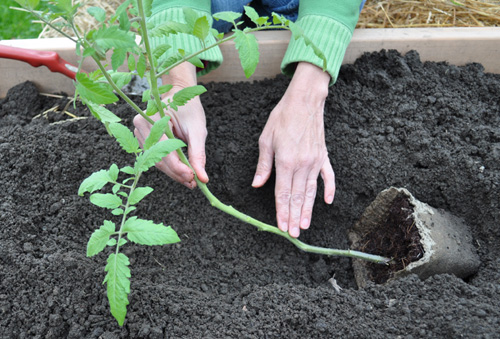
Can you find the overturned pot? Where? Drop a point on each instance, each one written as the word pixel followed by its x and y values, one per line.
pixel 420 239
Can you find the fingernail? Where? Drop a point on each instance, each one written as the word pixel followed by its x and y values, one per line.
pixel 329 200
pixel 284 226
pixel 188 185
pixel 294 232
pixel 304 224
pixel 256 180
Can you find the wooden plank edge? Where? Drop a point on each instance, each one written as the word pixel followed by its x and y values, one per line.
pixel 457 46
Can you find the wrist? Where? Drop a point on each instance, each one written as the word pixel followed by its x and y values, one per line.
pixel 310 82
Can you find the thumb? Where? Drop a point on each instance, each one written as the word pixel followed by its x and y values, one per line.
pixel 198 158
pixel 264 166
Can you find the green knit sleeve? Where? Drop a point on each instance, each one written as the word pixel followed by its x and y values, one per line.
pixel 329 24
pixel 172 10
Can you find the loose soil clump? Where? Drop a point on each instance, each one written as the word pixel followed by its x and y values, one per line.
pixel 390 120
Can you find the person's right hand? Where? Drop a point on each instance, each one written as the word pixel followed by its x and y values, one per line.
pixel 188 124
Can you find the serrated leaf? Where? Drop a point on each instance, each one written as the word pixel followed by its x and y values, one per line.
pixel 156 132
pixel 141 65
pixel 151 108
pixel 154 154
pixel 118 58
pixel 31 4
pixel 248 51
pixel 98 13
pixel 164 88
pixel 118 285
pixel 91 91
pixel 102 113
pixel 146 95
pixel 216 34
pixel 169 27
pixel 127 170
pixel 99 238
pixel 227 16
pixel 278 19
pixel 190 16
pixel 121 78
pixel 184 95
pixel 131 63
pixel 252 14
pixel 97 180
pixel 130 209
pixel 113 37
pixel 117 211
pixel 125 137
pixel 201 28
pixel 106 200
pixel 160 50
pixel 146 232
pixel 138 194
pixel 197 62
pixel 263 21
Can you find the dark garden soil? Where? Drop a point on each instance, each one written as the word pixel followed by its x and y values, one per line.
pixel 390 121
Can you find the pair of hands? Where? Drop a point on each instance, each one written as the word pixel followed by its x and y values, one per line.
pixel 293 139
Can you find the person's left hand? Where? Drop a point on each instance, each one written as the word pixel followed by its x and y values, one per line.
pixel 294 138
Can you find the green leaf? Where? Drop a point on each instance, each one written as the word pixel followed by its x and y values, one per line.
pixel 151 108
pixel 138 194
pixel 113 37
pixel 91 91
pixel 146 232
pixel 125 137
pixel 164 88
pixel 169 27
pixel 190 16
pixel 227 16
pixel 31 4
pixel 201 28
pixel 122 241
pixel 156 132
pixel 121 78
pixel 102 113
pixel 118 285
pixel 98 13
pixel 160 50
pixel 111 242
pixel 197 62
pixel 118 58
pixel 216 33
pixel 100 238
pixel 278 19
pixel 106 200
pixel 184 95
pixel 128 170
pixel 252 14
pixel 130 209
pixel 131 63
pixel 155 153
pixel 98 179
pixel 248 51
pixel 141 65
pixel 117 211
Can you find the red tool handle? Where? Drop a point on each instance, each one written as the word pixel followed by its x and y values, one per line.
pixel 39 58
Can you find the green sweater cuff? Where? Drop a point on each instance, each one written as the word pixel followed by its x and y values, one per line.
pixel 330 36
pixel 188 43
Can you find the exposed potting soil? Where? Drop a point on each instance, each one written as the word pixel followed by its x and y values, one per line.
pixel 397 238
pixel 390 121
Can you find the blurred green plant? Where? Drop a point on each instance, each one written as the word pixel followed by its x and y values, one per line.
pixel 16 24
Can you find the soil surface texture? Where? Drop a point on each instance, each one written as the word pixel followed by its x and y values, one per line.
pixel 390 120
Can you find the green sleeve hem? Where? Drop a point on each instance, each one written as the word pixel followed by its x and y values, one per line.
pixel 188 43
pixel 329 35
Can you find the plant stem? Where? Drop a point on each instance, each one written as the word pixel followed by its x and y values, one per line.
pixel 124 217
pixel 273 229
pixel 152 67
